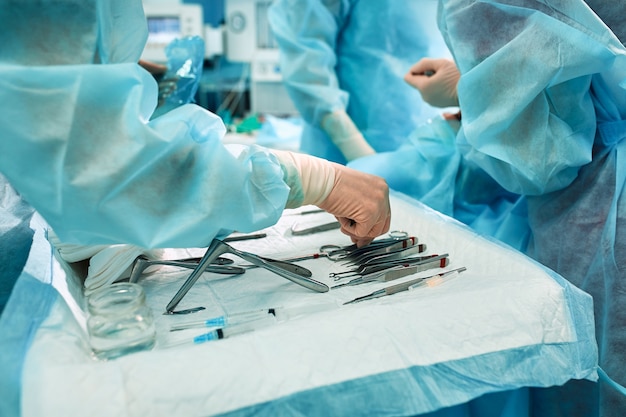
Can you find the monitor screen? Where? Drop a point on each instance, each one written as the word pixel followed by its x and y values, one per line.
pixel 163 29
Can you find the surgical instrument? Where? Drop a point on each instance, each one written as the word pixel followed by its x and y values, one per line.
pixel 395 251
pixel 186 311
pixel 383 265
pixel 404 286
pixel 225 332
pixel 398 271
pixel 336 252
pixel 314 229
pixel 323 253
pixel 398 234
pixel 231 319
pixel 437 279
pixel 292 272
pixel 219 266
pixel 225 320
pixel 392 258
pixel 244 237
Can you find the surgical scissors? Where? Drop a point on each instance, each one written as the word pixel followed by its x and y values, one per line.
pixel 326 251
pixel 337 252
pixel 398 234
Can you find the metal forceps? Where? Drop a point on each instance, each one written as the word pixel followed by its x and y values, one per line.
pixel 400 249
pixel 336 252
pixel 332 252
pixel 301 231
pixel 378 266
pixel 292 272
pixel 220 266
pixel 386 273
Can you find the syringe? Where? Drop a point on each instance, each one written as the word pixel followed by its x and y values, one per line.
pixel 279 313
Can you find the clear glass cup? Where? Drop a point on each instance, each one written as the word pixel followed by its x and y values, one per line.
pixel 119 321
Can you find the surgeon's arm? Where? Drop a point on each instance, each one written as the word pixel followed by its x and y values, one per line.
pixel 101 172
pixel 359 201
pixel 306 31
pixel 346 135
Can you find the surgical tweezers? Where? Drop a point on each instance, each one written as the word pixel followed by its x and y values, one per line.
pixel 397 251
pixel 292 272
pixel 399 271
pixel 404 286
pixel 314 229
pixel 382 265
pixel 352 251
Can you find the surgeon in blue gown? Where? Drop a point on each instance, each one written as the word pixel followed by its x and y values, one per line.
pixel 78 145
pixel 342 63
pixel 543 99
pixel 430 167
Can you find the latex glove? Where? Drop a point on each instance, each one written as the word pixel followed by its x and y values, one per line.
pixel 436 80
pixel 346 136
pixel 107 263
pixel 112 264
pixel 359 201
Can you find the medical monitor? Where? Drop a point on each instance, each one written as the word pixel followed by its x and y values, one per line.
pixel 249 39
pixel 167 22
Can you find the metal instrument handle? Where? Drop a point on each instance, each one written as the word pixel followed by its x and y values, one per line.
pixel 215 249
pixel 291 276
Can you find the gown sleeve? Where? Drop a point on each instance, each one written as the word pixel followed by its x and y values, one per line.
pixel 528 118
pixel 307 32
pixel 78 144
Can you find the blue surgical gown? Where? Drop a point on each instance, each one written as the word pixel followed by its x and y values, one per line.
pixel 79 145
pixel 430 167
pixel 544 109
pixel 352 55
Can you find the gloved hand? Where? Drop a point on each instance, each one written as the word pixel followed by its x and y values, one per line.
pixel 107 263
pixel 346 136
pixel 359 201
pixel 436 80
